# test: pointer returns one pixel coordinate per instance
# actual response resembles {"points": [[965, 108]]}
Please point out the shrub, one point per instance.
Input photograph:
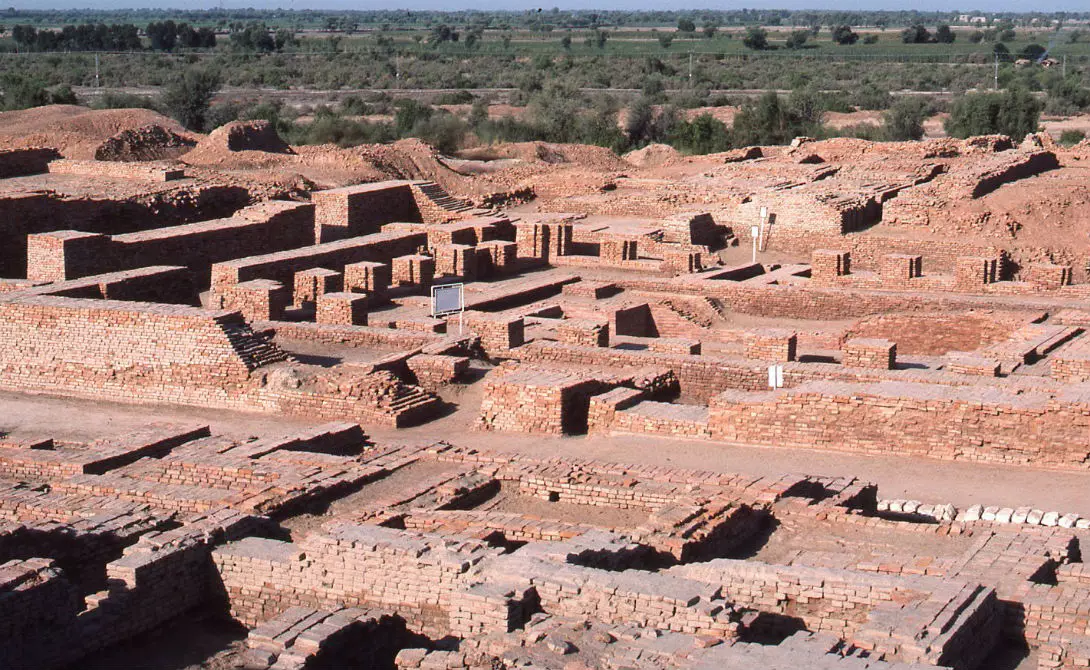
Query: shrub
{"points": [[1014, 113], [188, 98], [1071, 137]]}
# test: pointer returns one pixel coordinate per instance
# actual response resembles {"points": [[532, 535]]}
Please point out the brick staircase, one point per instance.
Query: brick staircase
{"points": [[438, 195], [412, 405], [255, 350]]}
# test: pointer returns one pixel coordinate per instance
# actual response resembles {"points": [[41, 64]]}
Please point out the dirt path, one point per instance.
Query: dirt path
{"points": [[927, 480]]}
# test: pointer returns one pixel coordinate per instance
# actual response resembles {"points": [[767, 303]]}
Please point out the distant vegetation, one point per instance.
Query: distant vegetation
{"points": [[574, 71]]}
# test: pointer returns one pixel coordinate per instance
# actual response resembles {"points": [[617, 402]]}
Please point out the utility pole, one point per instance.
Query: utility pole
{"points": [[97, 84], [995, 85], [691, 69]]}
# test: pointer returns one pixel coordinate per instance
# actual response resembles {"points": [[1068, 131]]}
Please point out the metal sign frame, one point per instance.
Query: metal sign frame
{"points": [[459, 310]]}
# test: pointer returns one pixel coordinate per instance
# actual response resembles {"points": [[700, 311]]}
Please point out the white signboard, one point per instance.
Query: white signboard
{"points": [[775, 376], [447, 299]]}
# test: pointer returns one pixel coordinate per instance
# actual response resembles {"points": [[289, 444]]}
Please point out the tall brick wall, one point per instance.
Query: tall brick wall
{"points": [[19, 162]]}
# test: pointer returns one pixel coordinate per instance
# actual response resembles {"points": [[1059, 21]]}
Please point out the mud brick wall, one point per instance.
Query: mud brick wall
{"points": [[961, 622], [828, 265], [20, 162], [974, 273], [583, 332], [499, 333], [282, 266], [370, 278], [639, 320], [1048, 276], [934, 334], [161, 284], [346, 309], [808, 209], [532, 401], [360, 566], [138, 352], [311, 284], [661, 418], [951, 423], [543, 240], [898, 270], [258, 300], [353, 336], [496, 256], [116, 170], [870, 353], [361, 210], [603, 408], [433, 371], [925, 205], [455, 260], [691, 228], [630, 596], [413, 270], [38, 603], [771, 344], [65, 254]]}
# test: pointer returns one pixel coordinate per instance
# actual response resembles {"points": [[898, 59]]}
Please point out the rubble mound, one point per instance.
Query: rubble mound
{"points": [[653, 155], [146, 143], [76, 132], [246, 136], [548, 153]]}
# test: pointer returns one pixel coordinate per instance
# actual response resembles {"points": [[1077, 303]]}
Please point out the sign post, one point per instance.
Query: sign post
{"points": [[775, 376], [447, 299], [755, 232]]}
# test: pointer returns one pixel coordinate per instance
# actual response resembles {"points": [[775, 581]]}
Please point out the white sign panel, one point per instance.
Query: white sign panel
{"points": [[447, 299], [775, 376]]}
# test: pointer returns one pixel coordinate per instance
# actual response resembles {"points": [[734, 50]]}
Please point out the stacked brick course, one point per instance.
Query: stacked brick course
{"points": [[870, 353]]}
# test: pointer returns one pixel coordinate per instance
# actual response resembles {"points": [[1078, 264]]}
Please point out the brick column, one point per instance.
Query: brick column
{"points": [[776, 345], [826, 266], [898, 270], [345, 309], [313, 283], [415, 269], [972, 273], [870, 353], [370, 278]]}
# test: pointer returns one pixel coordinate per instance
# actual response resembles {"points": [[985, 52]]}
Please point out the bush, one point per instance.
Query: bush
{"points": [[769, 121], [870, 39], [1014, 113], [703, 135], [797, 39], [904, 121], [916, 34], [116, 100], [1070, 138], [943, 35]]}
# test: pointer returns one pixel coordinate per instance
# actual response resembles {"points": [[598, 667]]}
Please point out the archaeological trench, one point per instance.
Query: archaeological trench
{"points": [[380, 522]]}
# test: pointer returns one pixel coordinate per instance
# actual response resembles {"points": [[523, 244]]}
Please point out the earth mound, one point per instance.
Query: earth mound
{"points": [[76, 132], [653, 155], [147, 143], [239, 136]]}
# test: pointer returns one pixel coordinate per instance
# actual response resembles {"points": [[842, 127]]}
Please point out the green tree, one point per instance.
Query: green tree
{"points": [[756, 38], [769, 121], [709, 29], [943, 35], [189, 97], [916, 34], [565, 42], [686, 25], [845, 35], [665, 40], [703, 135]]}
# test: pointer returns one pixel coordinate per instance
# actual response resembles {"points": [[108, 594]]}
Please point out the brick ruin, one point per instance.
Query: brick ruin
{"points": [[341, 543]]}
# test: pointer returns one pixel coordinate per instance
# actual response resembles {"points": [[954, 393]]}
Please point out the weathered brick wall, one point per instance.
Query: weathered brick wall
{"points": [[282, 266], [952, 423], [363, 566], [870, 353], [19, 162], [117, 170], [536, 401], [352, 211], [934, 334]]}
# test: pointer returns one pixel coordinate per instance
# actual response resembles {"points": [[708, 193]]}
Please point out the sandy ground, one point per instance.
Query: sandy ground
{"points": [[927, 480]]}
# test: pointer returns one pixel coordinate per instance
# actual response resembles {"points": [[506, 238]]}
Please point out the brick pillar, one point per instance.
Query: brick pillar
{"points": [[898, 270], [617, 250], [776, 345], [681, 261], [415, 269], [583, 332], [1047, 276], [370, 278], [827, 265], [972, 273], [870, 353], [66, 254], [313, 283], [532, 240], [496, 256], [345, 309], [455, 260], [258, 299], [560, 236]]}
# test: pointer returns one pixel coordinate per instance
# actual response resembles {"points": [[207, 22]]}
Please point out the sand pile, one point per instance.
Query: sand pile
{"points": [[653, 155], [76, 132], [147, 143]]}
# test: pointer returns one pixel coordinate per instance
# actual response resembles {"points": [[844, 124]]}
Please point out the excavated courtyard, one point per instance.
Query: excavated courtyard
{"points": [[233, 433]]}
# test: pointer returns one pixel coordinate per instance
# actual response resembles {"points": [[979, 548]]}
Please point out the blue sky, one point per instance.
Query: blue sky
{"points": [[923, 5]]}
